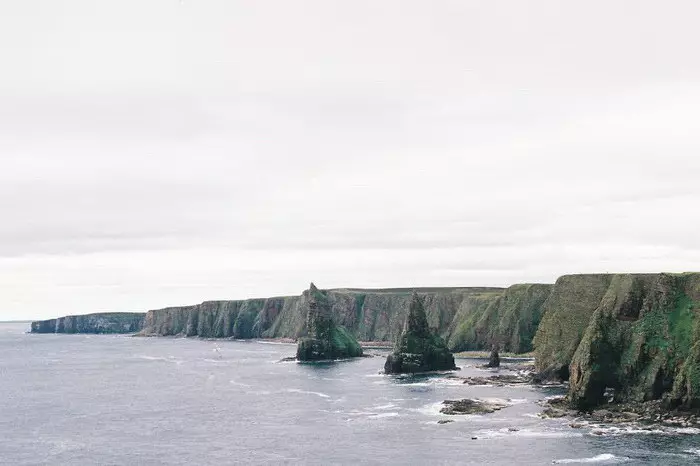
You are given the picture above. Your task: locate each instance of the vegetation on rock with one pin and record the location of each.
(326, 339)
(638, 338)
(418, 349)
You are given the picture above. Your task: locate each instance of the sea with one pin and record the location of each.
(122, 400)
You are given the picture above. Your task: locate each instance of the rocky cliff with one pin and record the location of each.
(468, 318)
(635, 336)
(108, 322)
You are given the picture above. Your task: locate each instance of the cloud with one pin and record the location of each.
(188, 151)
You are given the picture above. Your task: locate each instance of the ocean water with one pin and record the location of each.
(119, 400)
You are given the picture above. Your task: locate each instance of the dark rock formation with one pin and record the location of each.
(108, 322)
(326, 340)
(469, 406)
(418, 349)
(494, 359)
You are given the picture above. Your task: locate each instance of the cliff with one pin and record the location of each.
(635, 336)
(507, 319)
(468, 318)
(108, 322)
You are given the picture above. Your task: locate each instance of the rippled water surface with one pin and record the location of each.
(84, 399)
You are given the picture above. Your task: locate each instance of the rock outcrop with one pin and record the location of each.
(494, 359)
(326, 339)
(635, 337)
(107, 322)
(469, 406)
(418, 349)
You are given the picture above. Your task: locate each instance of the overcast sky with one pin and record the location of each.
(167, 152)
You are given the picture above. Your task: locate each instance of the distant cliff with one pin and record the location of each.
(469, 318)
(637, 335)
(108, 322)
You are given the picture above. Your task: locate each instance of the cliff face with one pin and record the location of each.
(108, 322)
(566, 313)
(638, 335)
(463, 316)
(506, 319)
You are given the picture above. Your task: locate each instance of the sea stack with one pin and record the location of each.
(494, 359)
(325, 339)
(418, 349)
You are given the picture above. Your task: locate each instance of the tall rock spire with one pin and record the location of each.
(418, 349)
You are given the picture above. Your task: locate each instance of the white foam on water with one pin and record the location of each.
(432, 409)
(239, 384)
(382, 415)
(686, 430)
(526, 433)
(159, 358)
(517, 401)
(259, 392)
(264, 342)
(418, 384)
(607, 458)
(384, 407)
(306, 392)
(449, 381)
(693, 451)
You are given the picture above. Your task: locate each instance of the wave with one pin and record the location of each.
(526, 433)
(607, 458)
(239, 384)
(693, 451)
(382, 415)
(639, 430)
(296, 390)
(384, 407)
(170, 359)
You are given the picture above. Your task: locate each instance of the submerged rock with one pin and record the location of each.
(418, 349)
(326, 340)
(470, 406)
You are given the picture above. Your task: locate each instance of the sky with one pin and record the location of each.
(174, 151)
